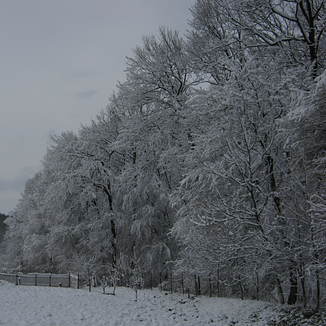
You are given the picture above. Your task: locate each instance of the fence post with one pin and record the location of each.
(89, 284)
(77, 280)
(188, 291)
(218, 282)
(210, 287)
(35, 279)
(196, 288)
(50, 280)
(143, 280)
(151, 281)
(199, 288)
(69, 282)
(16, 279)
(161, 281)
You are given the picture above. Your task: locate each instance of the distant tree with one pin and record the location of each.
(3, 226)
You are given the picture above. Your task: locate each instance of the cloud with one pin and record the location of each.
(12, 184)
(8, 200)
(12, 188)
(83, 74)
(87, 94)
(16, 183)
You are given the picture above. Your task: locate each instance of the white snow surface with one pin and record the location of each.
(27, 306)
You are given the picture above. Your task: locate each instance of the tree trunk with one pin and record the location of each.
(196, 286)
(280, 290)
(317, 291)
(293, 295)
(114, 244)
(218, 287)
(303, 286)
(257, 285)
(241, 290)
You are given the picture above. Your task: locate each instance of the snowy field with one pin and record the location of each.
(33, 306)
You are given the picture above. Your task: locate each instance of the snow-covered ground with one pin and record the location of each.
(33, 306)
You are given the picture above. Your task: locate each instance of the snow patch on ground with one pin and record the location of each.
(33, 306)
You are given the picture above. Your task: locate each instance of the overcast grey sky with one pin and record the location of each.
(59, 63)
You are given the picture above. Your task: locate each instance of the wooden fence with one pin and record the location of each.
(165, 281)
(43, 279)
(188, 284)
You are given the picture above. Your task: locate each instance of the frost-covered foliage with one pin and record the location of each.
(210, 157)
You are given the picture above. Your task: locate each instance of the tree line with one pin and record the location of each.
(208, 159)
